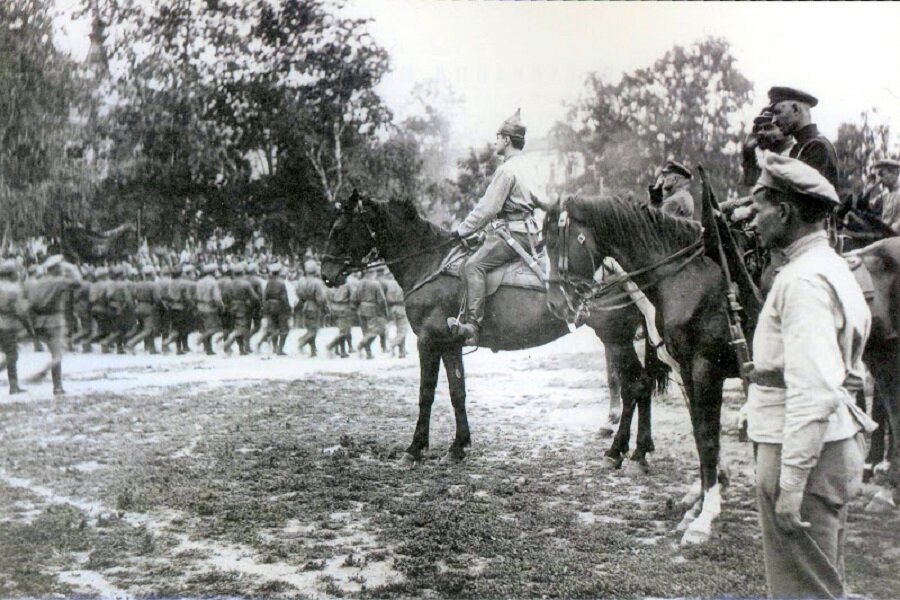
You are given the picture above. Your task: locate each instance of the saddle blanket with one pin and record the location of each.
(513, 274)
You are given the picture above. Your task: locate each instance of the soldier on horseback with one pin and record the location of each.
(507, 211)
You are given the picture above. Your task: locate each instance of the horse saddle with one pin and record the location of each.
(882, 325)
(513, 274)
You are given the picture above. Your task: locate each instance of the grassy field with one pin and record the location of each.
(294, 489)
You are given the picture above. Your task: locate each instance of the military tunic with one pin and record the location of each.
(680, 204)
(807, 352)
(815, 150)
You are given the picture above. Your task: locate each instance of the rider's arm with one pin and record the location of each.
(489, 205)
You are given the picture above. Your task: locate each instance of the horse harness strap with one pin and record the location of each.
(588, 289)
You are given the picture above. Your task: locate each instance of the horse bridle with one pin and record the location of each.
(368, 261)
(587, 289)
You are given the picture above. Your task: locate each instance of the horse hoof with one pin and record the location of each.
(637, 466)
(882, 502)
(695, 535)
(453, 457)
(610, 464)
(606, 430)
(409, 459)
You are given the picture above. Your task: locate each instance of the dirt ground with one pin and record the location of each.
(280, 477)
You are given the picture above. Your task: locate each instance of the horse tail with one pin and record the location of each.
(657, 370)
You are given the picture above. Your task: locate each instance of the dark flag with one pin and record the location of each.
(81, 244)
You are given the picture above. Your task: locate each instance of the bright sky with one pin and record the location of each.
(501, 55)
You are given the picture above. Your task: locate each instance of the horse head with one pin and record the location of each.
(571, 251)
(350, 240)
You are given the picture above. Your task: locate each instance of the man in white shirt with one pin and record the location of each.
(807, 352)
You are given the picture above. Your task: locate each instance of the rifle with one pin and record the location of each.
(735, 329)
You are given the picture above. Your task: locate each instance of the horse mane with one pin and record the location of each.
(644, 229)
(406, 211)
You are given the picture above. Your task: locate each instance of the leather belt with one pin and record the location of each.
(775, 379)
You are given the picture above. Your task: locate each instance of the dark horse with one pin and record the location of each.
(666, 258)
(517, 318)
(882, 353)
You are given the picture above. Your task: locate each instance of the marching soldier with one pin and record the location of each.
(259, 286)
(46, 299)
(676, 193)
(393, 294)
(13, 316)
(313, 302)
(791, 112)
(508, 207)
(209, 306)
(277, 310)
(244, 304)
(165, 315)
(98, 298)
(226, 285)
(807, 351)
(176, 299)
(342, 312)
(148, 306)
(192, 317)
(82, 308)
(121, 309)
(371, 307)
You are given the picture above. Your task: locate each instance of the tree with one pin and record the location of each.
(39, 169)
(858, 147)
(685, 106)
(222, 103)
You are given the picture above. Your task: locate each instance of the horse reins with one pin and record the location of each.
(588, 289)
(366, 263)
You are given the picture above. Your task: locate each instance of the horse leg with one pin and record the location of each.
(644, 444)
(705, 397)
(614, 386)
(620, 363)
(886, 373)
(456, 377)
(429, 365)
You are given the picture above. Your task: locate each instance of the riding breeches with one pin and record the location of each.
(492, 254)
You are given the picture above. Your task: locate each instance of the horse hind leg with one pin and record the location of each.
(429, 365)
(614, 386)
(456, 377)
(624, 363)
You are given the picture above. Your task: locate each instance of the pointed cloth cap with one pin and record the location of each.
(237, 268)
(795, 177)
(513, 126)
(275, 267)
(148, 270)
(780, 94)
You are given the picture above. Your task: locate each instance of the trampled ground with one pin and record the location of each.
(279, 477)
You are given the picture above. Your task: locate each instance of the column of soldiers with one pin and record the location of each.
(122, 308)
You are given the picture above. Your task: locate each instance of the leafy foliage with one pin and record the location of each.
(685, 106)
(39, 94)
